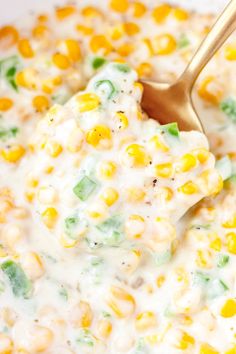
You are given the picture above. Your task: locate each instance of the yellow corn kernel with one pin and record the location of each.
(32, 265)
(231, 350)
(138, 9)
(204, 258)
(40, 103)
(53, 148)
(6, 344)
(164, 170)
(148, 44)
(201, 154)
(135, 195)
(230, 52)
(85, 30)
(73, 50)
(230, 223)
(188, 188)
(99, 135)
(207, 349)
(216, 244)
(13, 153)
(160, 13)
(164, 44)
(110, 196)
(116, 32)
(67, 242)
(231, 242)
(91, 11)
(229, 308)
(125, 49)
(42, 18)
(186, 163)
(121, 302)
(49, 217)
(32, 182)
(107, 169)
(137, 156)
(180, 14)
(135, 226)
(119, 5)
(97, 211)
(48, 170)
(87, 102)
(186, 341)
(25, 48)
(86, 314)
(139, 86)
(5, 104)
(157, 144)
(164, 193)
(145, 320)
(210, 182)
(123, 121)
(48, 85)
(75, 140)
(39, 31)
(210, 90)
(160, 281)
(27, 78)
(61, 61)
(131, 28)
(64, 12)
(8, 36)
(104, 328)
(100, 43)
(30, 195)
(144, 69)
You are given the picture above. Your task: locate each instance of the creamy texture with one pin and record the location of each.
(94, 258)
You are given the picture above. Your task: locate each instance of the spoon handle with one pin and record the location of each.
(221, 30)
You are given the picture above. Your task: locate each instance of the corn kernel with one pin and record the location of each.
(110, 196)
(145, 320)
(207, 349)
(104, 328)
(6, 344)
(27, 78)
(100, 43)
(138, 9)
(137, 156)
(210, 182)
(87, 102)
(165, 193)
(186, 163)
(85, 30)
(64, 12)
(210, 90)
(100, 135)
(231, 350)
(61, 61)
(13, 153)
(49, 217)
(32, 265)
(25, 48)
(135, 226)
(230, 223)
(180, 14)
(131, 28)
(160, 281)
(164, 170)
(8, 37)
(148, 44)
(204, 258)
(91, 11)
(123, 121)
(164, 44)
(135, 195)
(119, 5)
(229, 308)
(186, 341)
(144, 69)
(160, 13)
(116, 32)
(231, 242)
(5, 104)
(201, 154)
(86, 314)
(216, 244)
(119, 297)
(40, 103)
(125, 49)
(75, 140)
(157, 144)
(230, 52)
(53, 148)
(188, 188)
(107, 169)
(42, 18)
(73, 50)
(39, 31)
(67, 242)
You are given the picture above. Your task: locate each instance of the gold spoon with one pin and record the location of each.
(172, 102)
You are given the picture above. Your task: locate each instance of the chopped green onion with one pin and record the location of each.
(97, 62)
(171, 128)
(84, 188)
(228, 106)
(224, 167)
(63, 293)
(21, 285)
(2, 287)
(162, 258)
(216, 288)
(183, 41)
(8, 133)
(112, 229)
(106, 87)
(201, 278)
(8, 70)
(96, 261)
(86, 338)
(124, 68)
(106, 314)
(113, 223)
(223, 260)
